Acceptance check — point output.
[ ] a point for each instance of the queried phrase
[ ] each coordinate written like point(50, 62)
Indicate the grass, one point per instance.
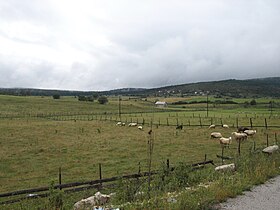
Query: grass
point(205, 188)
point(33, 148)
point(183, 188)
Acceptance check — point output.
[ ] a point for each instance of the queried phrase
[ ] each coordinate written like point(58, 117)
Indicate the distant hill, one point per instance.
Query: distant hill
point(43, 92)
point(263, 87)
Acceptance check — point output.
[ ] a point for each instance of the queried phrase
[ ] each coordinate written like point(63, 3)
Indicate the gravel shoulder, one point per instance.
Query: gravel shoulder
point(262, 197)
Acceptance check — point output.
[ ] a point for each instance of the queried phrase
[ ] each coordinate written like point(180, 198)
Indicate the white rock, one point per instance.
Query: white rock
point(91, 202)
point(230, 167)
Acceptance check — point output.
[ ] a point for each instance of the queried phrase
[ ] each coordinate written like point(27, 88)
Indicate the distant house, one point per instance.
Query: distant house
point(161, 104)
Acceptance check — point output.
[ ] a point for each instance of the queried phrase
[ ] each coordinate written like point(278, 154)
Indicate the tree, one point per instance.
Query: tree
point(103, 100)
point(81, 98)
point(95, 96)
point(56, 96)
point(86, 98)
point(246, 104)
point(253, 102)
point(90, 98)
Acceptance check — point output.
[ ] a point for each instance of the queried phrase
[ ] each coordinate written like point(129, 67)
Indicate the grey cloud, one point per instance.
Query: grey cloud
point(152, 44)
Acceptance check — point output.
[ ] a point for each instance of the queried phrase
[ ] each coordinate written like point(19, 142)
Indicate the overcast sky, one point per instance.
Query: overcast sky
point(108, 44)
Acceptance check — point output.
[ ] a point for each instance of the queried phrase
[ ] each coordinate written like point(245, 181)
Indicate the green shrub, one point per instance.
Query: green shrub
point(55, 197)
point(103, 100)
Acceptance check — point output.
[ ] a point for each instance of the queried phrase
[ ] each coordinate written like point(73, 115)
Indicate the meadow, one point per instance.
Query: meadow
point(40, 134)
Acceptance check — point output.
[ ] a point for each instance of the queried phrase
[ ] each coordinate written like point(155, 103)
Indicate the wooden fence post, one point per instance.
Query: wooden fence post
point(239, 150)
point(59, 177)
point(276, 138)
point(223, 154)
point(167, 122)
point(167, 164)
point(265, 123)
point(237, 123)
point(100, 171)
point(267, 140)
point(251, 123)
point(139, 168)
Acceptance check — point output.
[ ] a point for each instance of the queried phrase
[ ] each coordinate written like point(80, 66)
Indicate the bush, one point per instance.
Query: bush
point(103, 100)
point(253, 102)
point(56, 197)
point(246, 104)
point(81, 98)
point(86, 98)
point(56, 96)
point(224, 102)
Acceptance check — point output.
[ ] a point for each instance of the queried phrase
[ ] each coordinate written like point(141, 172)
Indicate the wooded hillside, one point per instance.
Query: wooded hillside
point(264, 87)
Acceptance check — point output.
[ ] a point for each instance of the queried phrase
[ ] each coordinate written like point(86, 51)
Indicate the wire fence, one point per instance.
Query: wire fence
point(160, 118)
point(17, 196)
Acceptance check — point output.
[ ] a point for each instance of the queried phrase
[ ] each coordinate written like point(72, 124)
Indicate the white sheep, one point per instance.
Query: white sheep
point(271, 149)
point(225, 141)
point(250, 132)
point(119, 123)
point(140, 127)
point(132, 124)
point(239, 136)
point(225, 126)
point(216, 135)
point(212, 126)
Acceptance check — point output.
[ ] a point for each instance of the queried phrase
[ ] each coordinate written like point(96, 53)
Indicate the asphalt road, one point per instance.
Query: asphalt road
point(262, 197)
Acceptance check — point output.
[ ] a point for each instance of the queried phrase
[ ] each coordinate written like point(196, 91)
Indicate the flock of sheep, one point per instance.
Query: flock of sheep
point(132, 124)
point(241, 135)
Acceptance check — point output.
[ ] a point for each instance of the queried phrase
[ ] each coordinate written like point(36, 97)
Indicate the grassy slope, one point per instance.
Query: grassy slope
point(32, 149)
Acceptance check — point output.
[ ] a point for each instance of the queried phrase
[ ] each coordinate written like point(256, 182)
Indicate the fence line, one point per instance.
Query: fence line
point(110, 116)
point(168, 121)
point(75, 186)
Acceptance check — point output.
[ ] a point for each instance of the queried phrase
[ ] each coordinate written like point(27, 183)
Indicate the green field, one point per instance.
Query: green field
point(40, 134)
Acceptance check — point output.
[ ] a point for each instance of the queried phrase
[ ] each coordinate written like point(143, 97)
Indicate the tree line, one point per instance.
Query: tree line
point(91, 98)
